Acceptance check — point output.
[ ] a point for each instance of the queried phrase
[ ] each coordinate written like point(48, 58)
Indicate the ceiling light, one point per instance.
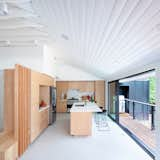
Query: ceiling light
point(158, 27)
point(36, 42)
point(3, 9)
point(64, 36)
point(8, 43)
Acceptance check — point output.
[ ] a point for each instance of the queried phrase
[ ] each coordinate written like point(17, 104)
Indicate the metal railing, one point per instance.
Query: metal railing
point(152, 110)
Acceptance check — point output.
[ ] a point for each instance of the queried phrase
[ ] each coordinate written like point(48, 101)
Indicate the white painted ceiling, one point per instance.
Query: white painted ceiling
point(21, 25)
point(101, 36)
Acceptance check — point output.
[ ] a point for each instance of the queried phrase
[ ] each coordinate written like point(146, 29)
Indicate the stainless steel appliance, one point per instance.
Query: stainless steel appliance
point(71, 101)
point(52, 109)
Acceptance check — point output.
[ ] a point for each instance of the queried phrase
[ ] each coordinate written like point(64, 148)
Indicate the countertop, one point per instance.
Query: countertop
point(88, 107)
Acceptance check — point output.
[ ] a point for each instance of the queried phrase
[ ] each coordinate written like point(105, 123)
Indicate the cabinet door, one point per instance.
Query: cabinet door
point(100, 93)
point(81, 123)
point(62, 88)
point(61, 106)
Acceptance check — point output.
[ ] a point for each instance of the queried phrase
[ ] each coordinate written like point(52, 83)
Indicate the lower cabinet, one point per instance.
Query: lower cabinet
point(61, 106)
point(100, 93)
point(81, 123)
point(44, 120)
point(40, 122)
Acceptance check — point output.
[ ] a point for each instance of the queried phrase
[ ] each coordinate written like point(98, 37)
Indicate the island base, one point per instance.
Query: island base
point(81, 123)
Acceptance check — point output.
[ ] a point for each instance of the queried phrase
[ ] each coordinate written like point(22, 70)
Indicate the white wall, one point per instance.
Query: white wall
point(42, 59)
point(68, 72)
point(49, 66)
point(31, 57)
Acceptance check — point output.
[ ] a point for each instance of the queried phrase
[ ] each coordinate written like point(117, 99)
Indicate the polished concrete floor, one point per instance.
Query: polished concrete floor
point(55, 143)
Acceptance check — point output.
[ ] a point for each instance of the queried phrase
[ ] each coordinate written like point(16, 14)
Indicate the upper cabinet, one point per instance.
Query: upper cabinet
point(100, 93)
point(83, 86)
point(62, 87)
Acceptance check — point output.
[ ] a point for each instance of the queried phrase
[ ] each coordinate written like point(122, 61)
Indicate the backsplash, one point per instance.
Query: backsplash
point(77, 94)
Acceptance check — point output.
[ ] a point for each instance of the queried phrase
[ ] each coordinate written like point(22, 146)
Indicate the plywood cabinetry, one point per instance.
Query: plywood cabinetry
point(39, 90)
point(62, 87)
point(97, 87)
point(23, 121)
point(9, 107)
point(61, 106)
point(81, 123)
point(100, 93)
point(23, 103)
point(83, 86)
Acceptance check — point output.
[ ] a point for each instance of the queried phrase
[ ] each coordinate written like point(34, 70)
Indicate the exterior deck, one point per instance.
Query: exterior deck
point(141, 129)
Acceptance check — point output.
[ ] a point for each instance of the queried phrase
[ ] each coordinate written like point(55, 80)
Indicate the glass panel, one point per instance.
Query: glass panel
point(112, 100)
point(1, 100)
point(136, 107)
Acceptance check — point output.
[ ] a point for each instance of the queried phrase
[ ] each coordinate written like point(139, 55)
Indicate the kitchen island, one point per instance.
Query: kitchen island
point(81, 118)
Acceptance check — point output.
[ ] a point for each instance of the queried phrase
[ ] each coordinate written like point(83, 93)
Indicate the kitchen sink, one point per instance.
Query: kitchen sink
point(79, 105)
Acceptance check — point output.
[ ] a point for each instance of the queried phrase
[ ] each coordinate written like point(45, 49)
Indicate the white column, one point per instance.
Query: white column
point(157, 114)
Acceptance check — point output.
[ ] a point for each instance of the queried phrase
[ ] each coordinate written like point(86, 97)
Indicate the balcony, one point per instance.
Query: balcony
point(139, 123)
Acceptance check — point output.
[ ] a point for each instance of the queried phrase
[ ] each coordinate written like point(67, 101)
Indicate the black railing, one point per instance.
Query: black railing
point(152, 110)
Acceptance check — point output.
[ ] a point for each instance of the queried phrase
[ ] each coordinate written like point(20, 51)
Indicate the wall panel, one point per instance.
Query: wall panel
point(23, 100)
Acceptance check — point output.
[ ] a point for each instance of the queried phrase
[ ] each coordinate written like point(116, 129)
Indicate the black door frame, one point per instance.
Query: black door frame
point(117, 101)
point(134, 137)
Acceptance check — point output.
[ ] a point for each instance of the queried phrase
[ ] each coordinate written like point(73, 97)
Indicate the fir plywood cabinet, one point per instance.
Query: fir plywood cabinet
point(23, 103)
point(40, 84)
point(81, 123)
point(61, 106)
point(100, 93)
point(83, 86)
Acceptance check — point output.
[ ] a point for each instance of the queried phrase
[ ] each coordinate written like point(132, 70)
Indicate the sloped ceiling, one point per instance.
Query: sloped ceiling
point(20, 25)
point(104, 37)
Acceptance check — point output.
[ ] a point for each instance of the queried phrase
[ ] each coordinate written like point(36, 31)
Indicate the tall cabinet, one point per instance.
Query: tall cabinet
point(40, 84)
point(100, 93)
point(30, 88)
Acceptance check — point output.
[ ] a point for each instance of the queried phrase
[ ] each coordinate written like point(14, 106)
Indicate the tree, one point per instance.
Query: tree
point(152, 90)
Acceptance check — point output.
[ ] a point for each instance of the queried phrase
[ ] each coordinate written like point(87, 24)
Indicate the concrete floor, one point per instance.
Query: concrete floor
point(55, 143)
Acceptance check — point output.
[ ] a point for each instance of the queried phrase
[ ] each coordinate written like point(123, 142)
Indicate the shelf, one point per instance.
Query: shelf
point(43, 108)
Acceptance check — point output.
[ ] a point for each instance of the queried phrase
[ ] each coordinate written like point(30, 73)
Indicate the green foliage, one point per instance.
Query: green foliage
point(152, 90)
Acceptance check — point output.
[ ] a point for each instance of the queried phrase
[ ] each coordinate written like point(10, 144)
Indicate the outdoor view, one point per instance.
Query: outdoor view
point(152, 90)
point(136, 108)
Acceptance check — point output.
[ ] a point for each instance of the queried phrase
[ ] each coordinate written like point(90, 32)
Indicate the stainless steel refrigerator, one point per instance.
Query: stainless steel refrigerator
point(52, 109)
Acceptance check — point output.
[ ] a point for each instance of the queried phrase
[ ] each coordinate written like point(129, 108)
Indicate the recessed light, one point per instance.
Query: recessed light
point(36, 42)
point(3, 9)
point(158, 27)
point(64, 36)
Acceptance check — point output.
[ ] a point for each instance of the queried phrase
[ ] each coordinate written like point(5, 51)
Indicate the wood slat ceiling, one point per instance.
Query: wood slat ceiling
point(104, 36)
point(101, 36)
point(21, 25)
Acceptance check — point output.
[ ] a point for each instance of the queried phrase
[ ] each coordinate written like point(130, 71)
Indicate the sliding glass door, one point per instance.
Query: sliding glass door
point(113, 100)
point(136, 108)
